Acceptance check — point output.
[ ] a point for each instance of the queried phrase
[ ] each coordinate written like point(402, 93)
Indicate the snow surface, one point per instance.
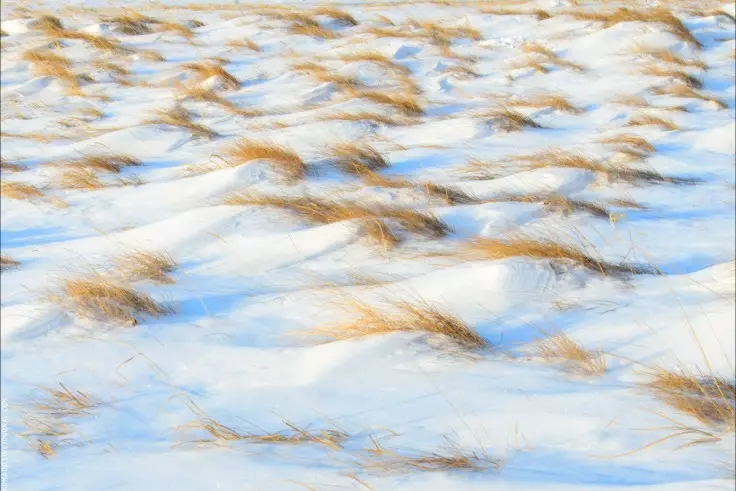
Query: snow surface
point(252, 280)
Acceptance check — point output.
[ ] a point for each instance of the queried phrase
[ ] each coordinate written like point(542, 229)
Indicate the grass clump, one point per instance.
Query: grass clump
point(19, 190)
point(244, 43)
point(629, 140)
point(556, 102)
point(667, 56)
point(208, 69)
point(404, 102)
point(679, 75)
point(356, 158)
point(534, 248)
point(7, 263)
point(281, 157)
point(404, 316)
point(337, 15)
point(106, 299)
point(559, 348)
point(179, 117)
point(201, 94)
point(79, 177)
point(646, 119)
point(685, 91)
point(508, 120)
point(380, 460)
point(110, 162)
point(146, 265)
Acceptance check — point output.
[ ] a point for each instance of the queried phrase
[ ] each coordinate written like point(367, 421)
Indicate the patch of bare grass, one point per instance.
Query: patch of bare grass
point(403, 316)
point(377, 58)
point(283, 158)
point(7, 263)
point(508, 120)
point(356, 158)
point(630, 140)
point(243, 43)
point(179, 117)
point(111, 162)
point(371, 117)
point(406, 103)
point(450, 457)
point(19, 190)
point(549, 56)
point(687, 92)
point(208, 69)
point(106, 299)
point(667, 56)
point(146, 265)
point(557, 203)
point(201, 94)
point(556, 102)
point(645, 119)
point(337, 15)
point(544, 248)
point(559, 348)
point(79, 177)
point(679, 75)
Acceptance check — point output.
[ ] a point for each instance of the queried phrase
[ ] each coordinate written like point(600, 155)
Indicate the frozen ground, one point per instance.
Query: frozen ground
point(253, 280)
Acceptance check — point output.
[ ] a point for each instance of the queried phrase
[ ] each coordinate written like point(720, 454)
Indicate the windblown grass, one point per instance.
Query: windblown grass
point(146, 265)
point(685, 91)
point(549, 56)
point(106, 299)
point(201, 94)
point(448, 194)
point(679, 75)
point(559, 348)
point(208, 69)
point(112, 162)
point(243, 43)
point(645, 119)
point(337, 15)
point(508, 120)
point(179, 117)
point(377, 58)
point(282, 158)
point(558, 203)
point(79, 177)
point(19, 190)
point(7, 263)
point(544, 248)
point(371, 117)
point(356, 158)
point(629, 140)
point(380, 460)
point(404, 102)
point(403, 316)
point(556, 102)
point(630, 100)
point(667, 56)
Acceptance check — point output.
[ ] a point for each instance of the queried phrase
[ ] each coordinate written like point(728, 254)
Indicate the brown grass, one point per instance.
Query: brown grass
point(63, 402)
point(508, 120)
point(529, 62)
point(377, 58)
point(133, 24)
point(629, 140)
point(667, 56)
point(337, 14)
point(112, 162)
point(219, 434)
point(652, 120)
point(534, 248)
point(560, 158)
point(372, 218)
point(282, 158)
point(7, 262)
point(404, 102)
point(79, 177)
point(363, 116)
point(558, 203)
point(243, 43)
point(356, 158)
point(679, 75)
point(630, 100)
point(179, 117)
point(106, 299)
point(208, 69)
point(549, 56)
point(406, 316)
point(556, 102)
point(684, 91)
point(201, 94)
point(559, 348)
point(146, 265)
point(6, 166)
point(179, 29)
point(709, 399)
point(19, 191)
point(311, 30)
point(380, 460)
point(656, 15)
point(449, 195)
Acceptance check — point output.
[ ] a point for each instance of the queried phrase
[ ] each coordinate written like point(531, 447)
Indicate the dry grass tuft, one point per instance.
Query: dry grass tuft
point(548, 56)
point(322, 75)
point(558, 203)
point(6, 166)
point(451, 457)
point(371, 117)
point(63, 402)
point(201, 94)
point(111, 162)
point(243, 43)
point(179, 29)
point(556, 102)
point(356, 158)
point(372, 218)
point(684, 91)
point(655, 15)
point(679, 75)
point(447, 194)
point(417, 316)
point(630, 100)
point(337, 14)
point(285, 159)
point(79, 177)
point(208, 69)
point(629, 140)
point(49, 23)
point(407, 103)
point(652, 120)
point(146, 265)
point(106, 299)
point(312, 30)
point(19, 191)
point(132, 24)
point(709, 399)
point(667, 56)
point(7, 262)
point(508, 120)
point(523, 246)
point(375, 57)
point(561, 349)
point(179, 117)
